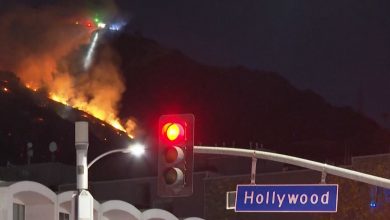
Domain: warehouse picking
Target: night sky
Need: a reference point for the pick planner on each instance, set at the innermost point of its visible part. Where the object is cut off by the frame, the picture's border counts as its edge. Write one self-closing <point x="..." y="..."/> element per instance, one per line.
<point x="339" y="49"/>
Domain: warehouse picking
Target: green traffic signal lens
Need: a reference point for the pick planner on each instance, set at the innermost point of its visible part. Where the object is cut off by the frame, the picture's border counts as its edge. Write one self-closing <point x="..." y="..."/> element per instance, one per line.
<point x="173" y="176"/>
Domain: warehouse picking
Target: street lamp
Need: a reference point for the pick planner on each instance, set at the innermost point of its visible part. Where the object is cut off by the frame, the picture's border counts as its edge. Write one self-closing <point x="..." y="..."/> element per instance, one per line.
<point x="135" y="149"/>
<point x="84" y="200"/>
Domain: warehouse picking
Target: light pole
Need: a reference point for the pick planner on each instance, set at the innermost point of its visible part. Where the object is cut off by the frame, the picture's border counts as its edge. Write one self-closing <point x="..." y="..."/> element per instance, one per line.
<point x="84" y="200"/>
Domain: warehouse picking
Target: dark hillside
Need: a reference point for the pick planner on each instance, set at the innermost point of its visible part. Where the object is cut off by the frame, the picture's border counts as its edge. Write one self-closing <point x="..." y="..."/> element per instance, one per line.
<point x="232" y="106"/>
<point x="28" y="116"/>
<point x="237" y="106"/>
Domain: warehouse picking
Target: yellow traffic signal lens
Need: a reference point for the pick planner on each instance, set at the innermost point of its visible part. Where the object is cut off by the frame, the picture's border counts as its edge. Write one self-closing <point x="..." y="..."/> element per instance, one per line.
<point x="174" y="154"/>
<point x="171" y="155"/>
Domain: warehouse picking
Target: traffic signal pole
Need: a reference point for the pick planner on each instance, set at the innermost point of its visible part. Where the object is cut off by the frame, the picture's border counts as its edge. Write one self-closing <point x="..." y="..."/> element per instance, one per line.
<point x="309" y="164"/>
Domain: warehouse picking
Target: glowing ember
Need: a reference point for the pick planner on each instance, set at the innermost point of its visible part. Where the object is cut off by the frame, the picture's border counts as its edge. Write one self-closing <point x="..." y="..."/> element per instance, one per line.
<point x="39" y="119"/>
<point x="33" y="88"/>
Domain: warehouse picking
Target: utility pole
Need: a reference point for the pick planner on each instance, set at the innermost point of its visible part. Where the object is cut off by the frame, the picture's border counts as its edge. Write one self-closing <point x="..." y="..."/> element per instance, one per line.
<point x="84" y="200"/>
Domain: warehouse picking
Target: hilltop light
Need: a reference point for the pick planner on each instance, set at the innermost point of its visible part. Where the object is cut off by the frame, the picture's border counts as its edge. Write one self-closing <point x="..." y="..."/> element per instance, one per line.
<point x="101" y="25"/>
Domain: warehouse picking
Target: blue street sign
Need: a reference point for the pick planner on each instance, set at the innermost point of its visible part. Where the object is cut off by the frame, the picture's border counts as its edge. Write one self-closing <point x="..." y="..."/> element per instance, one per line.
<point x="287" y="198"/>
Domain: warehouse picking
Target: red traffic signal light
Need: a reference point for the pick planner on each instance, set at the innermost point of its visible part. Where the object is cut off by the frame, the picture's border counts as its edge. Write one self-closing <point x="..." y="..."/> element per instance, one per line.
<point x="173" y="132"/>
<point x="175" y="157"/>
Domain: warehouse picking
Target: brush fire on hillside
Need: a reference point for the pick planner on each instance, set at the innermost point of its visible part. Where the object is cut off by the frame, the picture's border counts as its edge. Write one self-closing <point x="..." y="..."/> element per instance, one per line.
<point x="47" y="48"/>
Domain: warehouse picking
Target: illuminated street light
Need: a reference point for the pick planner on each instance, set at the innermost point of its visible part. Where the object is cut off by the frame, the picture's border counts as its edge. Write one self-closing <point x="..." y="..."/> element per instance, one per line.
<point x="101" y="25"/>
<point x="135" y="149"/>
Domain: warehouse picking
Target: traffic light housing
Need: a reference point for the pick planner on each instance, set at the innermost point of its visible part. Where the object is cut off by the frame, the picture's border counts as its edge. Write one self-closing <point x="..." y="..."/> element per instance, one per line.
<point x="175" y="155"/>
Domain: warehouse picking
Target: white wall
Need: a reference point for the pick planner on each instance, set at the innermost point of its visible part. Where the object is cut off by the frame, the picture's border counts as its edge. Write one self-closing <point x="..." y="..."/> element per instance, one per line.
<point x="5" y="206"/>
<point x="43" y="204"/>
<point x="40" y="212"/>
<point x="39" y="201"/>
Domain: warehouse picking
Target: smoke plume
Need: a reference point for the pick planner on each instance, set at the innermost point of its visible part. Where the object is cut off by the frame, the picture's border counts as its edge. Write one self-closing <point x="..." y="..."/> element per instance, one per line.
<point x="39" y="44"/>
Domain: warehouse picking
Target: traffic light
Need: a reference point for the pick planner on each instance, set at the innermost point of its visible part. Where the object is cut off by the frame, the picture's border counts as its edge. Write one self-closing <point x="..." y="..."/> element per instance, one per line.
<point x="175" y="155"/>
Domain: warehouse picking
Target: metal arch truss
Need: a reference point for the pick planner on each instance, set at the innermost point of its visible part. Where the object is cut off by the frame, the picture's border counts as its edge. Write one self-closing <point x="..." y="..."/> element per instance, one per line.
<point x="309" y="164"/>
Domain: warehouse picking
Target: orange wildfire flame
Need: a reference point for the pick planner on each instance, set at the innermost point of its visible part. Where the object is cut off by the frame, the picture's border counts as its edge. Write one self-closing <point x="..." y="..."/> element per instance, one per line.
<point x="103" y="104"/>
<point x="98" y="113"/>
<point x="48" y="66"/>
